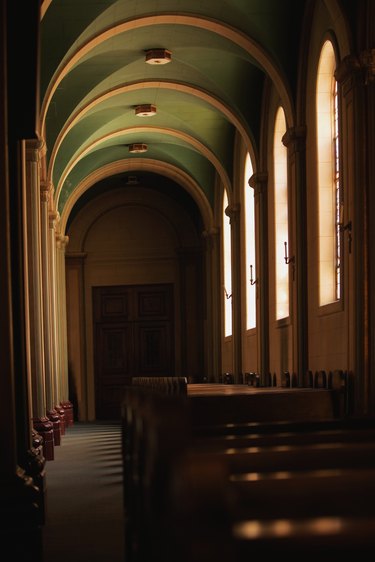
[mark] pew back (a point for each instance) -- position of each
(188, 495)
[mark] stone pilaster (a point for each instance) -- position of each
(61, 243)
(234, 215)
(55, 317)
(295, 141)
(34, 299)
(48, 290)
(259, 182)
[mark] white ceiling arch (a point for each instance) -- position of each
(172, 172)
(186, 89)
(92, 76)
(250, 46)
(173, 133)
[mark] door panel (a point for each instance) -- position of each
(154, 350)
(152, 304)
(133, 327)
(114, 350)
(112, 366)
(111, 304)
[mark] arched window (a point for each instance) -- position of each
(329, 189)
(250, 247)
(281, 217)
(227, 264)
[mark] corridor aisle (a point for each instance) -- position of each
(84, 497)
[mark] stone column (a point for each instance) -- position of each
(295, 141)
(66, 404)
(259, 182)
(234, 216)
(34, 300)
(48, 290)
(55, 316)
(213, 305)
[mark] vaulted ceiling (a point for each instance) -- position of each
(93, 74)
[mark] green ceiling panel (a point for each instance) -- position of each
(180, 113)
(188, 160)
(222, 52)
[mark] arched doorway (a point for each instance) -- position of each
(133, 249)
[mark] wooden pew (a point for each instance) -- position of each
(164, 385)
(284, 426)
(219, 404)
(254, 511)
(293, 436)
(160, 434)
(293, 452)
(310, 493)
(325, 539)
(154, 432)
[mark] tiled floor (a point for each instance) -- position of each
(84, 496)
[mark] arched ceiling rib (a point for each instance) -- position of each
(194, 113)
(93, 74)
(131, 166)
(161, 137)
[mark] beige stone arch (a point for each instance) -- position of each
(162, 168)
(175, 86)
(197, 145)
(133, 196)
(340, 27)
(240, 39)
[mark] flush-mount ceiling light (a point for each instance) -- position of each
(137, 148)
(145, 110)
(132, 180)
(158, 56)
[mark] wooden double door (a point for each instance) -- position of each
(133, 336)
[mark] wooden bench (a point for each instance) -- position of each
(239, 403)
(298, 436)
(285, 426)
(154, 432)
(311, 539)
(310, 493)
(210, 508)
(187, 494)
(164, 385)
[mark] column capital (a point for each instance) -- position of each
(233, 212)
(295, 138)
(367, 59)
(259, 182)
(62, 241)
(352, 69)
(46, 189)
(35, 150)
(348, 68)
(53, 217)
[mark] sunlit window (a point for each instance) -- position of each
(250, 247)
(329, 189)
(227, 261)
(281, 217)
